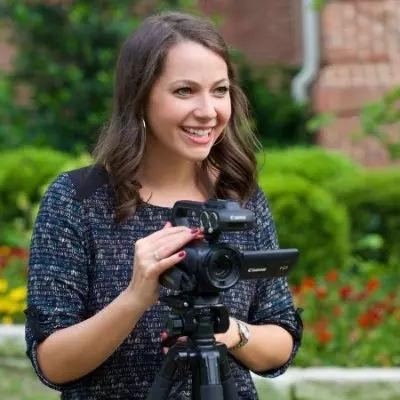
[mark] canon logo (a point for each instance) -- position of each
(257, 269)
(238, 218)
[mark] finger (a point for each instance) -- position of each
(176, 241)
(167, 231)
(167, 263)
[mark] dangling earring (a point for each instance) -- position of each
(144, 129)
(220, 138)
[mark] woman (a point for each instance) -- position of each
(102, 237)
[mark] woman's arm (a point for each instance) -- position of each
(269, 346)
(73, 352)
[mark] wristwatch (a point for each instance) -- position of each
(244, 334)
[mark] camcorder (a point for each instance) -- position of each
(211, 265)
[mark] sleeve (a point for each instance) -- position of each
(273, 303)
(57, 270)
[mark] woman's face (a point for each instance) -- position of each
(189, 104)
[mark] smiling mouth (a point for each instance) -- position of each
(200, 133)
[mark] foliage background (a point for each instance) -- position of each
(344, 219)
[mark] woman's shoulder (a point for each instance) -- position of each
(78, 184)
(257, 200)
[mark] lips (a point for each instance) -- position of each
(198, 132)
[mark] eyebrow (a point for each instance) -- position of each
(189, 82)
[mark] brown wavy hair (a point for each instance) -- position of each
(121, 145)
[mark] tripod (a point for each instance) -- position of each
(197, 317)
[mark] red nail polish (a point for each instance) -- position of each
(182, 254)
(163, 335)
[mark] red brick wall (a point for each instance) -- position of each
(269, 31)
(361, 54)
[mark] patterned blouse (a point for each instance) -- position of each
(81, 260)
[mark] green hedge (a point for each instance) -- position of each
(374, 204)
(331, 170)
(371, 197)
(24, 176)
(309, 218)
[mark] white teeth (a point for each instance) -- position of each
(198, 132)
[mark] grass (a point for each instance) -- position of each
(21, 384)
(18, 382)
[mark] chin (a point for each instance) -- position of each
(199, 157)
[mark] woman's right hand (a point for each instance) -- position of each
(155, 254)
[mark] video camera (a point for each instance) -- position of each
(211, 266)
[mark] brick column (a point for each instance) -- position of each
(361, 54)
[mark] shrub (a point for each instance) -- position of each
(330, 170)
(13, 275)
(308, 218)
(373, 202)
(278, 119)
(349, 320)
(24, 175)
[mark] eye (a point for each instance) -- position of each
(183, 91)
(222, 90)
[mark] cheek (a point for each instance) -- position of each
(225, 112)
(168, 113)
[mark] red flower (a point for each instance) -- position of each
(308, 283)
(372, 285)
(345, 292)
(321, 292)
(324, 336)
(365, 320)
(332, 276)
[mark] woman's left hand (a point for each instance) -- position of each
(231, 337)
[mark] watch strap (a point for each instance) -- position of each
(243, 333)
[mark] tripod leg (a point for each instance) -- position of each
(164, 380)
(206, 382)
(228, 383)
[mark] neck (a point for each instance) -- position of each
(158, 171)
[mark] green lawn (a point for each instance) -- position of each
(17, 384)
(22, 384)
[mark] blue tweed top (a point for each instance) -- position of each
(81, 260)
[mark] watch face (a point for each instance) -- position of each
(244, 331)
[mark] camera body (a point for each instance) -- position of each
(211, 266)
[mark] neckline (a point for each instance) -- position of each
(146, 204)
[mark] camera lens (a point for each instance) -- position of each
(223, 268)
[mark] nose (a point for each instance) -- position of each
(205, 108)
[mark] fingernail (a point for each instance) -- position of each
(163, 335)
(195, 230)
(165, 350)
(182, 254)
(167, 224)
